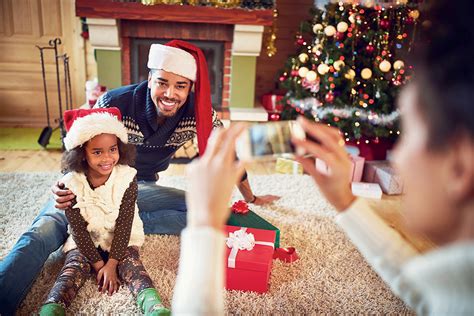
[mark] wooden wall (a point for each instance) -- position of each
(24, 24)
(291, 13)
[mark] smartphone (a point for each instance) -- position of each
(268, 140)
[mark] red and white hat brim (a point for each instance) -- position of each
(85, 128)
(172, 59)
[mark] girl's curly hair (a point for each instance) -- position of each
(75, 159)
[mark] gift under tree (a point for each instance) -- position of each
(349, 67)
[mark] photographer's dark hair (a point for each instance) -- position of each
(75, 159)
(444, 72)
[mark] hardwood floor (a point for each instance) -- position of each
(50, 160)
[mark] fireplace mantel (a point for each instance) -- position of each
(171, 13)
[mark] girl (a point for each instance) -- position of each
(106, 230)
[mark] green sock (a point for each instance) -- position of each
(150, 303)
(52, 309)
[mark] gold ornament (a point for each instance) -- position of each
(338, 64)
(366, 73)
(397, 65)
(311, 76)
(385, 66)
(317, 27)
(330, 30)
(317, 48)
(302, 72)
(350, 74)
(415, 14)
(303, 57)
(323, 69)
(342, 27)
(402, 2)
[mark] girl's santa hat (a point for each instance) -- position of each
(83, 124)
(187, 60)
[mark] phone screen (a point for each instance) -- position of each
(265, 140)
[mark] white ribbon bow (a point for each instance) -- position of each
(240, 240)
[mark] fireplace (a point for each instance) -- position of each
(213, 50)
(122, 32)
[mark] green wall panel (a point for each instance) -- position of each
(109, 68)
(242, 84)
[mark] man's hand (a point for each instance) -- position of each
(265, 199)
(335, 186)
(212, 179)
(107, 277)
(62, 196)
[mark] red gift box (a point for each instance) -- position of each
(248, 270)
(271, 102)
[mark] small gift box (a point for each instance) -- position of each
(382, 173)
(366, 190)
(288, 166)
(356, 171)
(249, 255)
(252, 220)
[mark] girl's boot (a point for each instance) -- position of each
(150, 303)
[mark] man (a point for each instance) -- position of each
(160, 115)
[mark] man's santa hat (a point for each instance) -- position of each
(187, 60)
(83, 124)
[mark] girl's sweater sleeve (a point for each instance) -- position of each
(124, 221)
(80, 234)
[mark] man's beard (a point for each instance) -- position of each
(167, 113)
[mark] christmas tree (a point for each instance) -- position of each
(349, 67)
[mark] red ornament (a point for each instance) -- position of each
(385, 24)
(339, 36)
(300, 41)
(240, 207)
(282, 78)
(409, 20)
(370, 48)
(329, 97)
(294, 73)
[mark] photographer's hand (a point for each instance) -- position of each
(336, 185)
(212, 178)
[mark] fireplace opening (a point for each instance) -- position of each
(213, 50)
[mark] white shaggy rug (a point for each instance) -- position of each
(331, 276)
